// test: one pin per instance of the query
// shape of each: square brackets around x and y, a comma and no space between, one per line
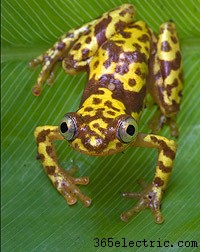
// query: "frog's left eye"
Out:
[127,130]
[68,128]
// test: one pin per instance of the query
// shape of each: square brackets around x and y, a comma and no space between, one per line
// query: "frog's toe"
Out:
[69,189]
[35,62]
[75,194]
[157,122]
[70,199]
[36,90]
[81,181]
[173,127]
[148,198]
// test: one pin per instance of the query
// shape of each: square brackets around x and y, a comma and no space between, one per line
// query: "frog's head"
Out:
[98,135]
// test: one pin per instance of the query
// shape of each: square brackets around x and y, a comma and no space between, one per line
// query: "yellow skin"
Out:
[124,60]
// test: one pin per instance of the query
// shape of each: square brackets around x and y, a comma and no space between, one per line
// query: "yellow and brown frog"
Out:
[124,60]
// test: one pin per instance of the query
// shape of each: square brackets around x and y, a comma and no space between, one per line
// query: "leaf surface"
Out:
[34,216]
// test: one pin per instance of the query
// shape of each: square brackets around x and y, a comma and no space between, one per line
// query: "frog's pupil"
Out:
[130,130]
[64,127]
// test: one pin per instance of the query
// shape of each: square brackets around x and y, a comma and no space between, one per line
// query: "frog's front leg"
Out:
[166,77]
[152,194]
[64,183]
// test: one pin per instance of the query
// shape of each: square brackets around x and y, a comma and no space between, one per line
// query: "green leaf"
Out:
[34,216]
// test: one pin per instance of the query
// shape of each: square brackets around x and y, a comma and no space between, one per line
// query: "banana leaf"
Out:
[34,216]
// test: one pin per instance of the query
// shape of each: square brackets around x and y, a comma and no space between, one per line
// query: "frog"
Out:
[125,62]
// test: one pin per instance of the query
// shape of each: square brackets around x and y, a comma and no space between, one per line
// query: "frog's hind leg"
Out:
[166,77]
[50,59]
[100,30]
[76,47]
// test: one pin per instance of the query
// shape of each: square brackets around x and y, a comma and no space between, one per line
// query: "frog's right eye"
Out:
[68,128]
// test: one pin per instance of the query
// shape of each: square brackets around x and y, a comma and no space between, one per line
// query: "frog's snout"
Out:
[95,144]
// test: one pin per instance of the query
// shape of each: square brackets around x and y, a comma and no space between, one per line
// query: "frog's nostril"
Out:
[95,142]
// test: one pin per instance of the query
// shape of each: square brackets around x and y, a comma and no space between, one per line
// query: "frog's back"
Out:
[121,65]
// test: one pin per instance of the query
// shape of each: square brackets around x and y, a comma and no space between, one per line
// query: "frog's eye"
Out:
[127,130]
[68,128]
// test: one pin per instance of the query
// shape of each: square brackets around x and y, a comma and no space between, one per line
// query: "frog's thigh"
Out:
[99,30]
[166,76]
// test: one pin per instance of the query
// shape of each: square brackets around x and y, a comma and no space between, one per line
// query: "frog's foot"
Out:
[158,121]
[67,186]
[150,197]
[47,73]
